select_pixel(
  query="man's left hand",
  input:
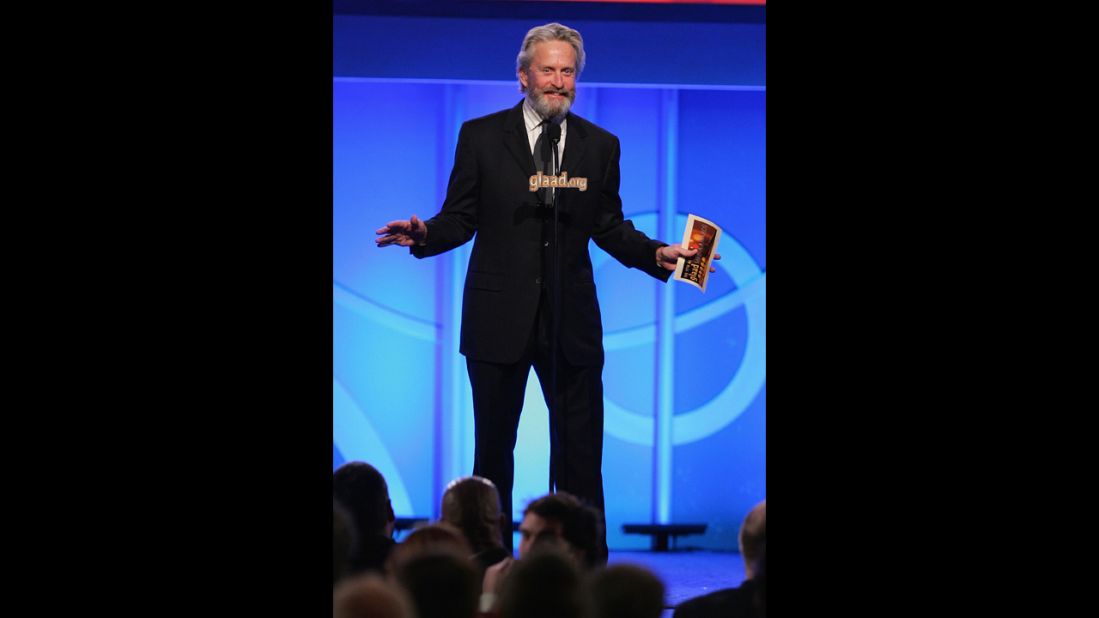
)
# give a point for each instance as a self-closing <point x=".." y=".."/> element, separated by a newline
<point x="668" y="255"/>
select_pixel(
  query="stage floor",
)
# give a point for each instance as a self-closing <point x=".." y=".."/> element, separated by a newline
<point x="687" y="573"/>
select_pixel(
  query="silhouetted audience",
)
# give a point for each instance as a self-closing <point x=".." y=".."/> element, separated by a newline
<point x="362" y="490"/>
<point x="439" y="570"/>
<point x="472" y="504"/>
<point x="369" y="596"/>
<point x="744" y="601"/>
<point x="626" y="591"/>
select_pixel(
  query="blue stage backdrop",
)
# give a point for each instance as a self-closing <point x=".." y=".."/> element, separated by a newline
<point x="684" y="428"/>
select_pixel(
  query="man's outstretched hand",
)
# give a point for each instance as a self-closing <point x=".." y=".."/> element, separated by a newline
<point x="668" y="255"/>
<point x="403" y="233"/>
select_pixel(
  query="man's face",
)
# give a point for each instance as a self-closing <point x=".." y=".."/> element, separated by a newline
<point x="531" y="527"/>
<point x="550" y="82"/>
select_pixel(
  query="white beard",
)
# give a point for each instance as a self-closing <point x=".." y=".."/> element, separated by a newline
<point x="545" y="108"/>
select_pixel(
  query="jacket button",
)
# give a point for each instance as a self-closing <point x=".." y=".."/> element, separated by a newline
<point x="545" y="244"/>
<point x="538" y="280"/>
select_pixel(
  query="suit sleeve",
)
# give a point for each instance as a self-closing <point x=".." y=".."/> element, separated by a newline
<point x="617" y="235"/>
<point x="457" y="221"/>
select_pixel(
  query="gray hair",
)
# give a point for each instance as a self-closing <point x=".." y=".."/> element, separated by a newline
<point x="550" y="32"/>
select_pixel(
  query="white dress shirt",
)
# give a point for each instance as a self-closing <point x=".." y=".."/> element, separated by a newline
<point x="532" y="120"/>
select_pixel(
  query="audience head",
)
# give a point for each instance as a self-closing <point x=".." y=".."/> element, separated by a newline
<point x="761" y="584"/>
<point x="626" y="591"/>
<point x="753" y="538"/>
<point x="561" y="516"/>
<point x="433" y="538"/>
<point x="472" y="504"/>
<point x="361" y="489"/>
<point x="368" y="596"/>
<point x="343" y="541"/>
<point x="546" y="583"/>
<point x="441" y="583"/>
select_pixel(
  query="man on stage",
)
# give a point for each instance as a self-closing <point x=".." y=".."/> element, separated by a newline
<point x="508" y="307"/>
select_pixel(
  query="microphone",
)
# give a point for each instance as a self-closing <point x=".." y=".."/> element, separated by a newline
<point x="553" y="135"/>
<point x="547" y="146"/>
<point x="553" y="132"/>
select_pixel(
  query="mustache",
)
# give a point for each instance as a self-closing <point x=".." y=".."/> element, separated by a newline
<point x="555" y="91"/>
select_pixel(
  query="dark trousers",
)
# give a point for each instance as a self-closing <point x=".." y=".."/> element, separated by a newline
<point x="576" y="430"/>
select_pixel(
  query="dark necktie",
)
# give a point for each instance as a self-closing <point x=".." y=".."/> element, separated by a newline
<point x="543" y="159"/>
<point x="542" y="156"/>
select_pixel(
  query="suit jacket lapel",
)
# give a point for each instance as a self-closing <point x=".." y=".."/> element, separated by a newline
<point x="574" y="145"/>
<point x="515" y="138"/>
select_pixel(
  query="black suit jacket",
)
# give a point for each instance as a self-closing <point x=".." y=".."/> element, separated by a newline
<point x="489" y="195"/>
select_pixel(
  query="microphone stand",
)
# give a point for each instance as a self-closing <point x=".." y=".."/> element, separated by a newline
<point x="557" y="317"/>
<point x="555" y="412"/>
